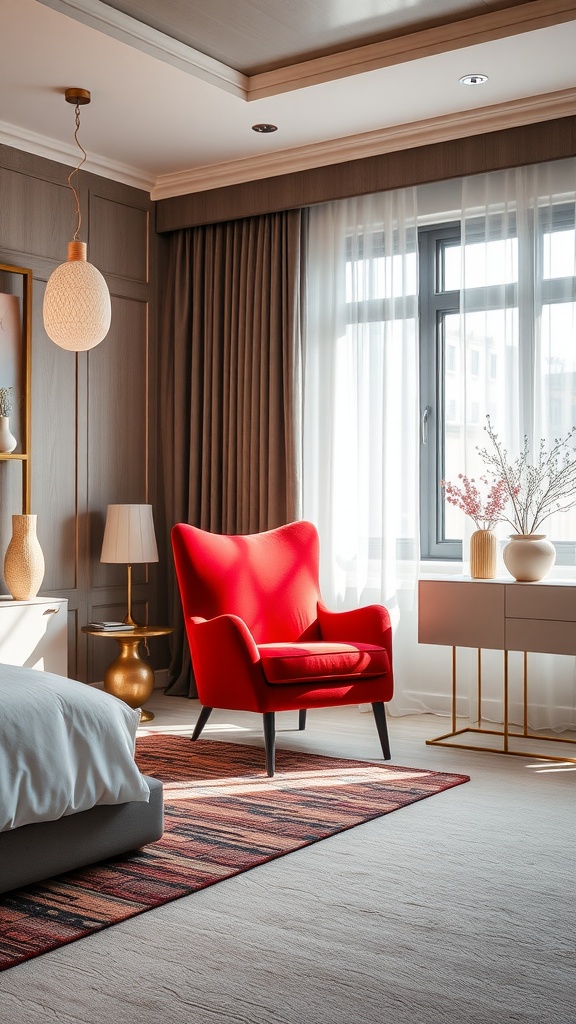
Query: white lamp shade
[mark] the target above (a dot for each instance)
(129, 535)
(77, 310)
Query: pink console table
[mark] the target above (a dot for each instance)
(502, 615)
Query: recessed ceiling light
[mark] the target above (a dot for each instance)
(473, 79)
(265, 129)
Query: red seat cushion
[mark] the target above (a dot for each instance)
(300, 662)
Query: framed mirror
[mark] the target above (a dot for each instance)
(15, 388)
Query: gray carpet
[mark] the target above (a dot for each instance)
(455, 910)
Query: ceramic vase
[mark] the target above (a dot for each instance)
(24, 561)
(529, 557)
(483, 555)
(7, 440)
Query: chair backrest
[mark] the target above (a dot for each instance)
(270, 580)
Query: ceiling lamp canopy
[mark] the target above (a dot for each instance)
(77, 301)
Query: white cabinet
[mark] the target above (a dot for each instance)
(34, 633)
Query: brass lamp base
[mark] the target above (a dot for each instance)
(129, 677)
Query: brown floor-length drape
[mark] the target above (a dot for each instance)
(231, 383)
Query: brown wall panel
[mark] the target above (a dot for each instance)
(117, 423)
(10, 503)
(54, 452)
(119, 238)
(90, 441)
(36, 216)
(512, 147)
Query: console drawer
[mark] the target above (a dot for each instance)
(533, 601)
(541, 636)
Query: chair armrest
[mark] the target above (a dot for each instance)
(226, 663)
(368, 625)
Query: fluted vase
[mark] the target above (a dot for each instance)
(483, 555)
(24, 561)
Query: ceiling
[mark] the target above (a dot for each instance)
(177, 85)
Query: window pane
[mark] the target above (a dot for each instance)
(559, 367)
(475, 392)
(380, 277)
(559, 393)
(487, 263)
(559, 254)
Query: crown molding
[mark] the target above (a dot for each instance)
(41, 145)
(527, 17)
(134, 33)
(529, 110)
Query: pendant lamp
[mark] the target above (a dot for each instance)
(77, 301)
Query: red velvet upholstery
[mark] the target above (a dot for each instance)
(261, 639)
(296, 662)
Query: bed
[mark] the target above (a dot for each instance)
(70, 791)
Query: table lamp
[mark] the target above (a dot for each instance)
(129, 537)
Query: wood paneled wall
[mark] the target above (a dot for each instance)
(94, 415)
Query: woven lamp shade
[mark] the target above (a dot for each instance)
(77, 309)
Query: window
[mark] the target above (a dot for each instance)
(491, 345)
(491, 316)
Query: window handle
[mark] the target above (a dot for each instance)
(425, 418)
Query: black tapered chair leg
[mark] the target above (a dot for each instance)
(380, 718)
(302, 719)
(202, 719)
(269, 740)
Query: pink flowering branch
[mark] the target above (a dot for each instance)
(484, 511)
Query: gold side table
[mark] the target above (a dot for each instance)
(129, 676)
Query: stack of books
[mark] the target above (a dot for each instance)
(110, 627)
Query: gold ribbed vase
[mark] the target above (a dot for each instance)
(483, 555)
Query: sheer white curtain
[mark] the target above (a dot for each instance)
(360, 428)
(515, 345)
(517, 350)
(516, 331)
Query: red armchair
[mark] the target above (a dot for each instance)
(260, 637)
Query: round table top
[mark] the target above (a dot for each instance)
(136, 633)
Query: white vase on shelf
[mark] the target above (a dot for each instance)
(529, 557)
(7, 440)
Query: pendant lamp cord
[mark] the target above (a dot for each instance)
(75, 172)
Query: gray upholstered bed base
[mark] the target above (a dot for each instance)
(35, 852)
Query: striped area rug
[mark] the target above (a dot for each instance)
(223, 815)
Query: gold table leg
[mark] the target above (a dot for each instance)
(506, 734)
(454, 683)
(130, 678)
(479, 685)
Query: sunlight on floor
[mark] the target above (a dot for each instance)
(347, 733)
(149, 728)
(304, 779)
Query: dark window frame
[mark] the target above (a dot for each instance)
(434, 305)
